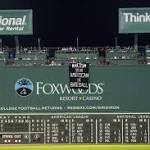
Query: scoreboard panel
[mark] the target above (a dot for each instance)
(75, 129)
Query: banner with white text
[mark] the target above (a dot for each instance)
(134, 20)
(16, 22)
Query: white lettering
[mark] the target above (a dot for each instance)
(65, 88)
(8, 28)
(38, 87)
(18, 21)
(136, 17)
(47, 85)
(78, 65)
(51, 89)
(56, 89)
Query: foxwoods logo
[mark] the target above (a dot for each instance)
(24, 87)
(61, 89)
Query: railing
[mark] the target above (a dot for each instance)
(119, 56)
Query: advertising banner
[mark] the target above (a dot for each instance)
(134, 20)
(47, 89)
(16, 22)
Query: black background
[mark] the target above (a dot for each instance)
(75, 79)
(60, 22)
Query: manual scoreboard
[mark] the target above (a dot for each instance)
(75, 129)
(38, 105)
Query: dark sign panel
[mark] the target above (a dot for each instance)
(79, 75)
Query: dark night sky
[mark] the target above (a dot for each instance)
(59, 22)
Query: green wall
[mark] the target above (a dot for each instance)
(121, 89)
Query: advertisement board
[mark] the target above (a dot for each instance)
(46, 89)
(16, 22)
(134, 20)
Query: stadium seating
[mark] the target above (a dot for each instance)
(114, 56)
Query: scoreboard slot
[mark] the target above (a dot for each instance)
(15, 127)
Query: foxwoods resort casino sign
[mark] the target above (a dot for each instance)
(25, 87)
